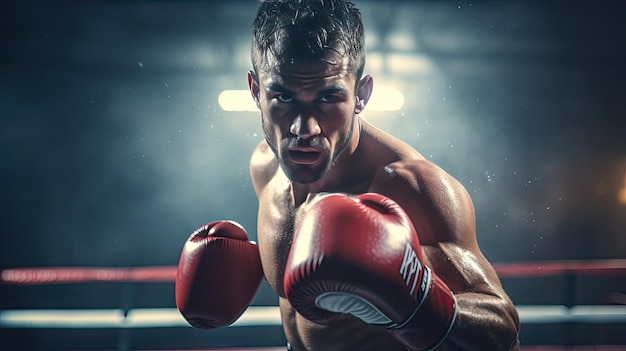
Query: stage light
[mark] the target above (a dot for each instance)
(385, 98)
(236, 101)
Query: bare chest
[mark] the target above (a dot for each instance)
(278, 217)
(280, 207)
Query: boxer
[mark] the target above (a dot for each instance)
(368, 245)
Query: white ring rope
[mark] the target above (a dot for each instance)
(263, 316)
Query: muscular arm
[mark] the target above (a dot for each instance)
(443, 215)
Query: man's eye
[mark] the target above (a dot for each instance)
(284, 98)
(329, 98)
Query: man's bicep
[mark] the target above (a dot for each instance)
(443, 215)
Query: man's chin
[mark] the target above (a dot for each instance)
(304, 173)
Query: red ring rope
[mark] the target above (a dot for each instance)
(546, 268)
(65, 275)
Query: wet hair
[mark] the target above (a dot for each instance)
(306, 29)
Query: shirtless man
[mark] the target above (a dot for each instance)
(368, 245)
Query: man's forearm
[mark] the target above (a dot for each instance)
(484, 322)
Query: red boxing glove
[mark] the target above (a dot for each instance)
(219, 273)
(361, 255)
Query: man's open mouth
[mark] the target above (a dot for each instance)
(305, 156)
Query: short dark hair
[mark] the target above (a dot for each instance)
(306, 28)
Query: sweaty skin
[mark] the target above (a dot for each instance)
(315, 142)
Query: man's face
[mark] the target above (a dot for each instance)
(307, 111)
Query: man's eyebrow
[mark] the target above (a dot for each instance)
(334, 89)
(273, 86)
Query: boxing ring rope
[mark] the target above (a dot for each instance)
(270, 315)
(68, 275)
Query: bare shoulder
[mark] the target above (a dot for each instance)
(437, 203)
(443, 215)
(263, 166)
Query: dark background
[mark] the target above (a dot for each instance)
(114, 147)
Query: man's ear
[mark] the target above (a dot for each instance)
(253, 85)
(363, 92)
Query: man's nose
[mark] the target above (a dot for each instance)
(305, 127)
